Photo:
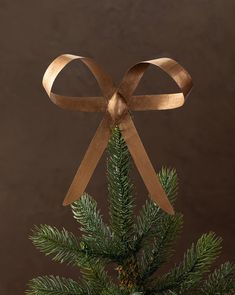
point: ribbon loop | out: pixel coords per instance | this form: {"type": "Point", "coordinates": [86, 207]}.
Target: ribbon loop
{"type": "Point", "coordinates": [104, 80]}
{"type": "Point", "coordinates": [116, 104]}
{"type": "Point", "coordinates": [181, 77]}
{"type": "Point", "coordinates": [117, 107]}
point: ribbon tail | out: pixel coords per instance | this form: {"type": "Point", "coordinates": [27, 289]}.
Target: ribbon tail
{"type": "Point", "coordinates": [144, 165]}
{"type": "Point", "coordinates": [90, 161]}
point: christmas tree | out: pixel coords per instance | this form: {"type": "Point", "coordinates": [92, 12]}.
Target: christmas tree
{"type": "Point", "coordinates": [136, 247]}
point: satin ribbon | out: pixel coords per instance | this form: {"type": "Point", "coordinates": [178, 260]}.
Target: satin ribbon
{"type": "Point", "coordinates": [116, 103]}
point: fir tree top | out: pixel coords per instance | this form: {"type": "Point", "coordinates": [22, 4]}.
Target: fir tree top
{"type": "Point", "coordinates": [137, 246]}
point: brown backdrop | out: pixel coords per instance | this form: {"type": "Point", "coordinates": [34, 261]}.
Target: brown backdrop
{"type": "Point", "coordinates": [41, 145]}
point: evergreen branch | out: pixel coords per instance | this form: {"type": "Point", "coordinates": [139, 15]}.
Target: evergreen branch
{"type": "Point", "coordinates": [61, 244]}
{"type": "Point", "coordinates": [86, 213]}
{"type": "Point", "coordinates": [221, 281]}
{"type": "Point", "coordinates": [169, 181]}
{"type": "Point", "coordinates": [146, 226]}
{"type": "Point", "coordinates": [114, 290]}
{"type": "Point", "coordinates": [196, 261]}
{"type": "Point", "coordinates": [153, 256]}
{"type": "Point", "coordinates": [95, 277]}
{"type": "Point", "coordinates": [98, 239]}
{"type": "Point", "coordinates": [51, 285]}
{"type": "Point", "coordinates": [149, 217]}
{"type": "Point", "coordinates": [120, 188]}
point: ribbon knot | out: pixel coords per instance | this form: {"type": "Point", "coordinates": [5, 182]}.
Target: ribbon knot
{"type": "Point", "coordinates": [117, 107]}
{"type": "Point", "coordinates": [116, 103]}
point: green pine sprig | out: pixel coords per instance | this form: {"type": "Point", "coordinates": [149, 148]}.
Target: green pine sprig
{"type": "Point", "coordinates": [120, 188]}
{"type": "Point", "coordinates": [189, 272]}
{"type": "Point", "coordinates": [150, 215]}
{"type": "Point", "coordinates": [155, 254]}
{"type": "Point", "coordinates": [221, 281]}
{"type": "Point", "coordinates": [62, 245]}
{"type": "Point", "coordinates": [54, 285]}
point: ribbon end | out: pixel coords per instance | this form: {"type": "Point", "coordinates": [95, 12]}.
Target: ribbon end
{"type": "Point", "coordinates": [66, 202]}
{"type": "Point", "coordinates": [170, 211]}
{"type": "Point", "coordinates": [72, 196]}
{"type": "Point", "coordinates": [165, 204]}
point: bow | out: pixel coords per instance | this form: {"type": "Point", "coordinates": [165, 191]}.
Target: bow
{"type": "Point", "coordinates": [116, 103]}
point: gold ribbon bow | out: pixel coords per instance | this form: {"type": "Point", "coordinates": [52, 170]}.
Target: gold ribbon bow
{"type": "Point", "coordinates": [116, 103]}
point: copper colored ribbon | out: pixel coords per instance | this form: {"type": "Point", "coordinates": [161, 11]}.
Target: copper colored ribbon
{"type": "Point", "coordinates": [116, 103]}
